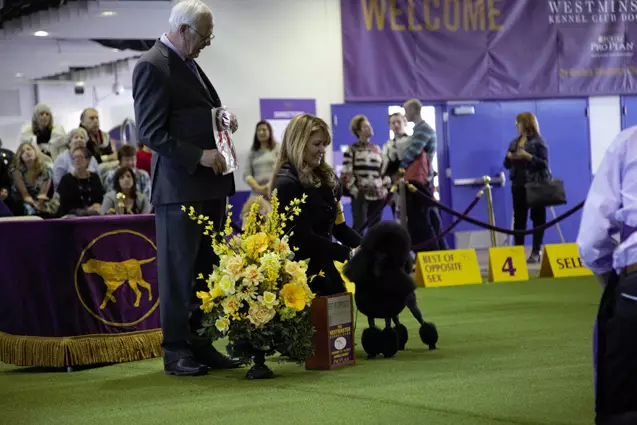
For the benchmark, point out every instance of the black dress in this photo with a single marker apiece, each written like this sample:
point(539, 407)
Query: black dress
point(314, 229)
point(78, 194)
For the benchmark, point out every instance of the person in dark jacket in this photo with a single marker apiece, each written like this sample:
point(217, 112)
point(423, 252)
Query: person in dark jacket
point(528, 161)
point(6, 157)
point(301, 169)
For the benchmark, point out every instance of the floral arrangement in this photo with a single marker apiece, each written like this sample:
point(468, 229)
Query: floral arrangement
point(258, 296)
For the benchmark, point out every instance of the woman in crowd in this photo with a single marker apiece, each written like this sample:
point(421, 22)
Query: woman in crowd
point(32, 182)
point(302, 169)
point(132, 202)
point(81, 190)
point(262, 159)
point(64, 164)
point(361, 173)
point(528, 161)
point(43, 133)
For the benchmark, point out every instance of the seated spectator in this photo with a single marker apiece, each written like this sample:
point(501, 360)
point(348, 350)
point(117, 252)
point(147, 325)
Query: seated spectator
point(81, 192)
point(124, 199)
point(6, 157)
point(32, 188)
point(144, 157)
point(4, 210)
point(127, 158)
point(43, 133)
point(99, 143)
point(77, 138)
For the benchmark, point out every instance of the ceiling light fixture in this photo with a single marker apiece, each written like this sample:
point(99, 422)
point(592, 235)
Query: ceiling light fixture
point(18, 75)
point(41, 33)
point(115, 50)
point(108, 13)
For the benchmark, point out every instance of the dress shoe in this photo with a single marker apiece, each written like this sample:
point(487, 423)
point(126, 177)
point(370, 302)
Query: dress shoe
point(186, 366)
point(215, 360)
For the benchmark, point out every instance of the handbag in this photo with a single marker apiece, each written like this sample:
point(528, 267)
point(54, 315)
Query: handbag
point(546, 193)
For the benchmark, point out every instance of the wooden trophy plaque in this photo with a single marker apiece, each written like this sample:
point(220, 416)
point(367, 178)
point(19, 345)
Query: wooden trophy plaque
point(333, 320)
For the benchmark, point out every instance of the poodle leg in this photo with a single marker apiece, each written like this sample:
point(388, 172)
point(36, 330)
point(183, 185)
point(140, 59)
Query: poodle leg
point(412, 305)
point(372, 339)
point(428, 332)
point(403, 335)
point(390, 340)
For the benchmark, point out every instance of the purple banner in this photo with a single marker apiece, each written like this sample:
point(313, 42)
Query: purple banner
point(75, 277)
point(286, 109)
point(394, 50)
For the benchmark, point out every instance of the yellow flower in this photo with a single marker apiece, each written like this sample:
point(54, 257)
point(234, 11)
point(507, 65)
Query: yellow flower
point(270, 266)
point(216, 292)
point(294, 296)
point(232, 265)
point(227, 285)
point(222, 324)
point(255, 245)
point(207, 303)
point(231, 305)
point(282, 247)
point(252, 275)
point(268, 299)
point(294, 269)
point(259, 315)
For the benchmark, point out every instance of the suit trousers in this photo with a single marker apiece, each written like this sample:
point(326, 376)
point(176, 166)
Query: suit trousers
point(520, 216)
point(182, 253)
point(615, 353)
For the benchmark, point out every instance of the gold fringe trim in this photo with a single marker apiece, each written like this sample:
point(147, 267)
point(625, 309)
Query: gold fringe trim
point(80, 350)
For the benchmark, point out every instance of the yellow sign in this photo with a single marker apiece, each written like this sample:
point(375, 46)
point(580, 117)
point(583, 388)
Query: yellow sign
point(562, 260)
point(507, 264)
point(447, 268)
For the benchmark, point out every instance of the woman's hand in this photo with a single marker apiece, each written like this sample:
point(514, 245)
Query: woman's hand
point(510, 155)
point(524, 155)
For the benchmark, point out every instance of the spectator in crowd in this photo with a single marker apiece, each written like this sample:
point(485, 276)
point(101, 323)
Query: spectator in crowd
point(262, 159)
point(398, 125)
point(99, 143)
point(144, 157)
point(414, 155)
point(361, 174)
point(42, 132)
point(527, 159)
point(81, 192)
point(127, 156)
point(32, 183)
point(610, 208)
point(302, 171)
point(132, 201)
point(64, 164)
point(6, 157)
point(5, 211)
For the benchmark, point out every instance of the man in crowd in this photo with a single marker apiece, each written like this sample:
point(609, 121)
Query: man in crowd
point(99, 144)
point(611, 208)
point(173, 102)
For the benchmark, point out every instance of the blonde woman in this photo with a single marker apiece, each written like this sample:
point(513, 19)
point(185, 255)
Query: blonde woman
point(32, 180)
point(63, 164)
point(302, 169)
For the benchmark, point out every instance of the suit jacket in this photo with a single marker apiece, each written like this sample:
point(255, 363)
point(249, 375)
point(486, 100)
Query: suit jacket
point(174, 119)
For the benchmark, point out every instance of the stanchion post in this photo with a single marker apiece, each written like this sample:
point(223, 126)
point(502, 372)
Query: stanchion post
point(487, 191)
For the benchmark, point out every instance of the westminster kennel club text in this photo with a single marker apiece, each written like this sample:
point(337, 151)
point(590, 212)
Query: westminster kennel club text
point(591, 11)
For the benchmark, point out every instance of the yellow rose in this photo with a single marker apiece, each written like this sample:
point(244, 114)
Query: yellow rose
point(233, 265)
point(259, 315)
point(293, 296)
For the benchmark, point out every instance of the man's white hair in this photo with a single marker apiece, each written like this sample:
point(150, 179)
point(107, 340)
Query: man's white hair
point(188, 12)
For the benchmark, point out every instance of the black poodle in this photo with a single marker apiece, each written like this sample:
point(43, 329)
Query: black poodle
point(381, 271)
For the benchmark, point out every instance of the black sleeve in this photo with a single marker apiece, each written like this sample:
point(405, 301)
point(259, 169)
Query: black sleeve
point(67, 189)
point(96, 189)
point(304, 237)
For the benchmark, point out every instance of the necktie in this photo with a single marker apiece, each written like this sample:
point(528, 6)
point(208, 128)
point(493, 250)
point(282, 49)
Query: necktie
point(193, 67)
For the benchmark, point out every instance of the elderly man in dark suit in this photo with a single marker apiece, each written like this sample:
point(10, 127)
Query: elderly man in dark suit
point(175, 104)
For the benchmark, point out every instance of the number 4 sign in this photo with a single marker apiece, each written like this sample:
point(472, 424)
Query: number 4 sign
point(507, 264)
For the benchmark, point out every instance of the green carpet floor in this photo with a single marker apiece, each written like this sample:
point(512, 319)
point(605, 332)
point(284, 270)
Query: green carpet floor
point(514, 353)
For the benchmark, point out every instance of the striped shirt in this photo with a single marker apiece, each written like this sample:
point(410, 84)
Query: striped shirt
point(423, 138)
point(261, 164)
point(362, 166)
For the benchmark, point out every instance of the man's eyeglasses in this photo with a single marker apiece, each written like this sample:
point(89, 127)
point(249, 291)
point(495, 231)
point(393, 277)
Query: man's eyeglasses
point(204, 39)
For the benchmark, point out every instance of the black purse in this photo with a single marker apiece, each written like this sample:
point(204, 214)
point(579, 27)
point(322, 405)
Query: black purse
point(545, 193)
